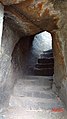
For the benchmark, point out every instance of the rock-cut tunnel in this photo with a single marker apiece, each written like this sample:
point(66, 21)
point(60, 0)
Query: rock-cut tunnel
point(33, 73)
point(33, 55)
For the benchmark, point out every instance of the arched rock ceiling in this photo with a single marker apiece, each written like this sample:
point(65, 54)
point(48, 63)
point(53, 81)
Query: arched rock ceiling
point(33, 15)
point(9, 2)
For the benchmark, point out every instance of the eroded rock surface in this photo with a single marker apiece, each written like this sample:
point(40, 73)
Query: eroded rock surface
point(32, 16)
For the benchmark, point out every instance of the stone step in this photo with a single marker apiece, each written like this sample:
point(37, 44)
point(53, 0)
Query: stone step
point(33, 84)
point(35, 103)
point(21, 89)
point(41, 82)
point(34, 94)
point(44, 71)
point(31, 87)
point(48, 65)
point(46, 60)
point(18, 112)
point(48, 51)
point(37, 77)
point(45, 55)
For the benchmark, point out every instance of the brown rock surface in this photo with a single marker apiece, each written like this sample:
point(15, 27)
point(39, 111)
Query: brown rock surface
point(29, 17)
point(8, 2)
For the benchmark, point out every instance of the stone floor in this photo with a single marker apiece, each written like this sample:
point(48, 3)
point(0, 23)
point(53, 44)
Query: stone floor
point(32, 98)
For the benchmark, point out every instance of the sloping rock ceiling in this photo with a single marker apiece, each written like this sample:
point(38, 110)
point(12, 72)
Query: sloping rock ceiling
point(33, 16)
point(8, 2)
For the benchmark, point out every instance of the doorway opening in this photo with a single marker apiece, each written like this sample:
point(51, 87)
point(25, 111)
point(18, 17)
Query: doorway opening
point(43, 50)
point(33, 55)
point(42, 42)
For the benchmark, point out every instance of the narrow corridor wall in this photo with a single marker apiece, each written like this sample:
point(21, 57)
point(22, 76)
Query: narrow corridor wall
point(10, 37)
point(1, 22)
point(60, 52)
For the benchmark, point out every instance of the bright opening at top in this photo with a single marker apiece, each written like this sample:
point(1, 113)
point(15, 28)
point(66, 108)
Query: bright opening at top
point(42, 42)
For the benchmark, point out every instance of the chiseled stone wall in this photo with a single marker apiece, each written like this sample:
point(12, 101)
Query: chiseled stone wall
point(60, 51)
point(7, 2)
point(59, 41)
point(7, 74)
point(1, 21)
point(9, 39)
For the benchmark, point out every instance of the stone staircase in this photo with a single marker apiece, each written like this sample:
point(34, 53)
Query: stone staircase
point(45, 64)
point(32, 98)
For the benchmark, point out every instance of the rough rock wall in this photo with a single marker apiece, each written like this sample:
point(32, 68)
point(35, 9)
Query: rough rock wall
point(59, 32)
point(8, 2)
point(10, 37)
point(60, 51)
point(1, 21)
point(7, 73)
point(23, 58)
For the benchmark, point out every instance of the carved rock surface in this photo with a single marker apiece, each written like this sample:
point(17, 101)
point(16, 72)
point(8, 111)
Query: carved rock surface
point(29, 17)
point(8, 2)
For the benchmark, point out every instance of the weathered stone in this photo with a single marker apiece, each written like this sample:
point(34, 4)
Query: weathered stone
point(9, 2)
point(31, 16)
point(1, 22)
